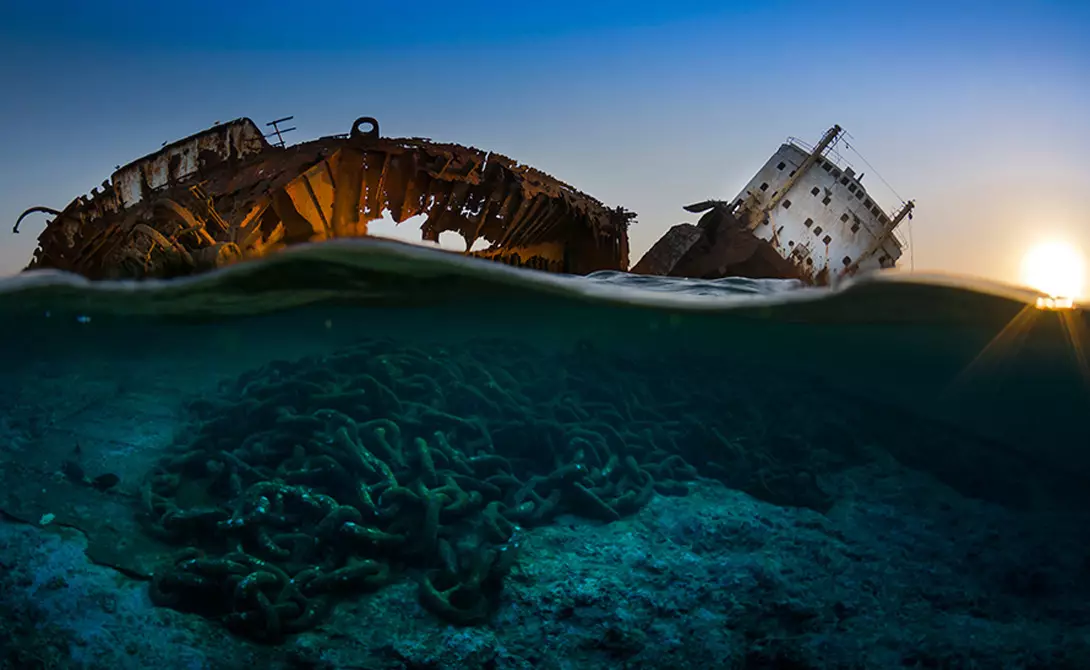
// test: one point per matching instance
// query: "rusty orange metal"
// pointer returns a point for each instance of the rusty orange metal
(225, 194)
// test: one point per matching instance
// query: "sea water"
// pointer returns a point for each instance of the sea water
(371, 455)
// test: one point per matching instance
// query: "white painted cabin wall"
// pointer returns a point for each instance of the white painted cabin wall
(836, 240)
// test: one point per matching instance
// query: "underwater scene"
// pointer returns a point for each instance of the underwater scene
(365, 454)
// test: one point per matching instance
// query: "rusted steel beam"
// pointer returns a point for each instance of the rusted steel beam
(348, 175)
(261, 197)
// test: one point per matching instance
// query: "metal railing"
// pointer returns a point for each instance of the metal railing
(278, 132)
(831, 154)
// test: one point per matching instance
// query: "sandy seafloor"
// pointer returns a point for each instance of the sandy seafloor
(902, 570)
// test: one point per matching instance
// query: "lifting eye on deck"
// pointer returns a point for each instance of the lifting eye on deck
(372, 133)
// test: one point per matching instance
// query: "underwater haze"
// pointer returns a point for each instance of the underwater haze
(364, 454)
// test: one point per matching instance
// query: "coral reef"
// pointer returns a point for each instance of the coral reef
(303, 482)
(901, 572)
(853, 546)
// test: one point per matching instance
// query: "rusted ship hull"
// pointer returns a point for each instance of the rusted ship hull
(226, 194)
(719, 245)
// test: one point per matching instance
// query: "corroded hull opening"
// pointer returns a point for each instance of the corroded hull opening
(226, 195)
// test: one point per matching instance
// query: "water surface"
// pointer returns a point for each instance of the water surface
(935, 404)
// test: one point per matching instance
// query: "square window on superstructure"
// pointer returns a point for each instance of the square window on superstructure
(843, 181)
(781, 166)
(786, 204)
(827, 200)
(815, 191)
(826, 167)
(827, 239)
(764, 186)
(868, 204)
(859, 194)
(836, 173)
(844, 216)
(847, 261)
(817, 231)
(851, 188)
(855, 227)
(808, 222)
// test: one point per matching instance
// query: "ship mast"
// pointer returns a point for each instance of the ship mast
(826, 140)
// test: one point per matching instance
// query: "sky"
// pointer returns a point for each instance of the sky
(975, 110)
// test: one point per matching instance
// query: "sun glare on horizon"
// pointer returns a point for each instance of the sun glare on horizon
(1056, 268)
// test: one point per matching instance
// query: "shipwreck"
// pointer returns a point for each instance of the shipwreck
(228, 193)
(805, 215)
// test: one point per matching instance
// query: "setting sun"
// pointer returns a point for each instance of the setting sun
(1055, 268)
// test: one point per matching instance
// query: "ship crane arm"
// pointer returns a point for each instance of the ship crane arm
(906, 211)
(826, 140)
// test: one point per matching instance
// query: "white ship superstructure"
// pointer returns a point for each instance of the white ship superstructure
(815, 212)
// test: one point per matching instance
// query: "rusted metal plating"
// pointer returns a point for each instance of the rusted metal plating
(226, 194)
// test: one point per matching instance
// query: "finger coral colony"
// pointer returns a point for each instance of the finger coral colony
(311, 481)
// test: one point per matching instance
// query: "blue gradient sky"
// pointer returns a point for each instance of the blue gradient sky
(977, 110)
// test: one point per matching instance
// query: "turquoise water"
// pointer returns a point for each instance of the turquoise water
(366, 425)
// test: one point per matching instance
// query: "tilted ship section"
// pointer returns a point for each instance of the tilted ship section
(227, 194)
(805, 215)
